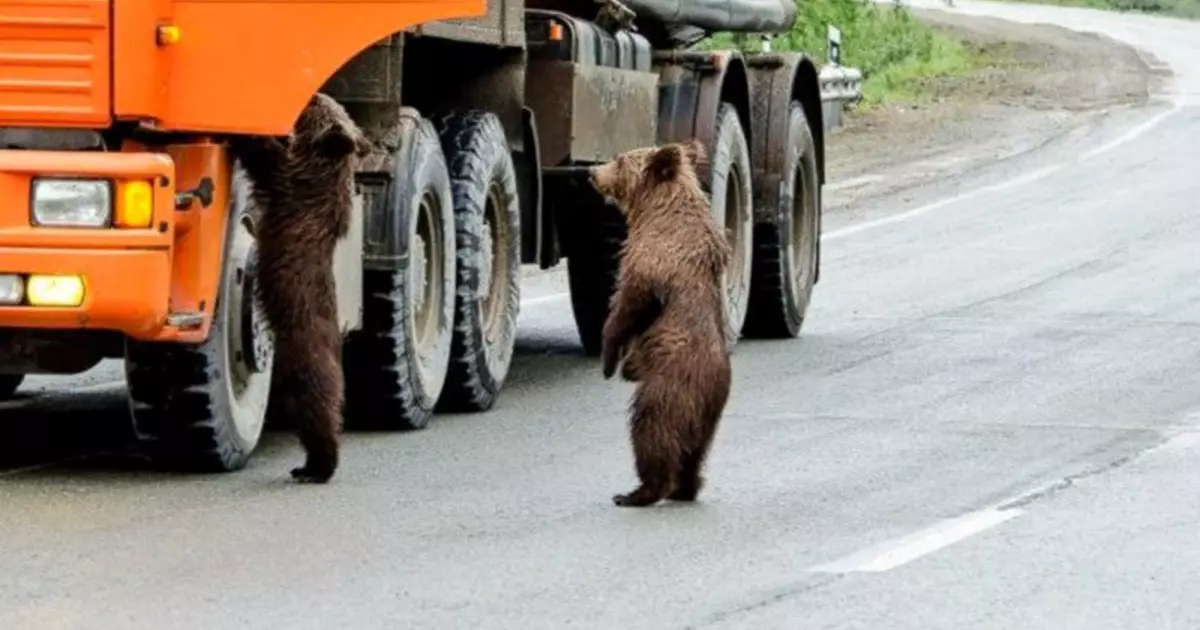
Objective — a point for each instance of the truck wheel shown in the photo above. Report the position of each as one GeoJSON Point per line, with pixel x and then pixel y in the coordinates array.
{"type": "Point", "coordinates": [785, 256]}
{"type": "Point", "coordinates": [592, 269]}
{"type": "Point", "coordinates": [732, 207]}
{"type": "Point", "coordinates": [488, 296]}
{"type": "Point", "coordinates": [9, 384]}
{"type": "Point", "coordinates": [396, 363]}
{"type": "Point", "coordinates": [202, 407]}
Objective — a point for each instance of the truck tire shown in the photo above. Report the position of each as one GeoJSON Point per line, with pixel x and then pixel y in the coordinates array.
{"type": "Point", "coordinates": [733, 207]}
{"type": "Point", "coordinates": [785, 254]}
{"type": "Point", "coordinates": [396, 363]}
{"type": "Point", "coordinates": [201, 408]}
{"type": "Point", "coordinates": [592, 265]}
{"type": "Point", "coordinates": [488, 294]}
{"type": "Point", "coordinates": [9, 384]}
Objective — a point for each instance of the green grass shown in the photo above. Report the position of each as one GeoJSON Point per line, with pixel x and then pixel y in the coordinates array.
{"type": "Point", "coordinates": [1173, 8]}
{"type": "Point", "coordinates": [897, 54]}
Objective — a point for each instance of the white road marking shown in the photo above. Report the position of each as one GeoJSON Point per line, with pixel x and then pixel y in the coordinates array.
{"type": "Point", "coordinates": [1186, 441]}
{"type": "Point", "coordinates": [895, 553]}
{"type": "Point", "coordinates": [1132, 134]}
{"type": "Point", "coordinates": [1177, 104]}
{"type": "Point", "coordinates": [900, 551]}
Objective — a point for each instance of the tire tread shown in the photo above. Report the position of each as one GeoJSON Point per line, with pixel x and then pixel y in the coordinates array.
{"type": "Point", "coordinates": [174, 401]}
{"type": "Point", "coordinates": [475, 145]}
{"type": "Point", "coordinates": [770, 314]}
{"type": "Point", "coordinates": [379, 383]}
{"type": "Point", "coordinates": [382, 389]}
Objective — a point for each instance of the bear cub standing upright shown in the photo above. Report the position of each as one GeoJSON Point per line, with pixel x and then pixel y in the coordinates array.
{"type": "Point", "coordinates": [303, 186]}
{"type": "Point", "coordinates": [667, 319]}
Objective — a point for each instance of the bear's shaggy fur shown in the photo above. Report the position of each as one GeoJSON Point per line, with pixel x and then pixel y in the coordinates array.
{"type": "Point", "coordinates": [667, 320]}
{"type": "Point", "coordinates": [303, 186]}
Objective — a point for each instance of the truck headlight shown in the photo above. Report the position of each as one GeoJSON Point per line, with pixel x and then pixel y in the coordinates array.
{"type": "Point", "coordinates": [71, 202]}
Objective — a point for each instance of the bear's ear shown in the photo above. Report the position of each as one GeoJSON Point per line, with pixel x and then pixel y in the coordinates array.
{"type": "Point", "coordinates": [338, 139]}
{"type": "Point", "coordinates": [664, 163]}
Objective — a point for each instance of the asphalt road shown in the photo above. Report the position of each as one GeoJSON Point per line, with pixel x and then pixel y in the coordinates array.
{"type": "Point", "coordinates": [990, 421]}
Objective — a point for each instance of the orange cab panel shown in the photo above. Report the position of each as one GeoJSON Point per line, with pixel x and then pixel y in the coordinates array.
{"type": "Point", "coordinates": [250, 67]}
{"type": "Point", "coordinates": [55, 66]}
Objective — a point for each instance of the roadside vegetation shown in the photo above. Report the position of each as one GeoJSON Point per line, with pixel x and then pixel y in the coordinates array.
{"type": "Point", "coordinates": [900, 57]}
{"type": "Point", "coordinates": [1172, 8]}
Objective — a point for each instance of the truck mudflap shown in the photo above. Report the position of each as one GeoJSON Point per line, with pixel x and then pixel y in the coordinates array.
{"type": "Point", "coordinates": [55, 63]}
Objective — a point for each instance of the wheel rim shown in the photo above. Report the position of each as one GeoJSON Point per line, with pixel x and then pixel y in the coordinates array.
{"type": "Point", "coordinates": [248, 361]}
{"type": "Point", "coordinates": [493, 273]}
{"type": "Point", "coordinates": [803, 233]}
{"type": "Point", "coordinates": [427, 273]}
{"type": "Point", "coordinates": [735, 226]}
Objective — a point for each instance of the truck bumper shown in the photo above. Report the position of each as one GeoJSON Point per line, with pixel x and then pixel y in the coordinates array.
{"type": "Point", "coordinates": [125, 291]}
{"type": "Point", "coordinates": [129, 274]}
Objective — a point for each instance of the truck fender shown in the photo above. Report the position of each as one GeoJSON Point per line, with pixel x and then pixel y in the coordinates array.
{"type": "Point", "coordinates": [777, 80]}
{"type": "Point", "coordinates": [692, 86]}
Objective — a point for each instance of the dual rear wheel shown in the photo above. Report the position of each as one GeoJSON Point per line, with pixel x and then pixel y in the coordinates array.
{"type": "Point", "coordinates": [438, 329]}
{"type": "Point", "coordinates": [439, 333]}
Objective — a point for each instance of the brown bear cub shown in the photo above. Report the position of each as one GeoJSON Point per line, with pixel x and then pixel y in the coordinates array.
{"type": "Point", "coordinates": [303, 186]}
{"type": "Point", "coordinates": [666, 322]}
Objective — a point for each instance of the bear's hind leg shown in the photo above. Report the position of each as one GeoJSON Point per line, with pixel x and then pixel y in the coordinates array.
{"type": "Point", "coordinates": [317, 409]}
{"type": "Point", "coordinates": [656, 452]}
{"type": "Point", "coordinates": [691, 465]}
{"type": "Point", "coordinates": [655, 473]}
{"type": "Point", "coordinates": [320, 448]}
{"type": "Point", "coordinates": [690, 479]}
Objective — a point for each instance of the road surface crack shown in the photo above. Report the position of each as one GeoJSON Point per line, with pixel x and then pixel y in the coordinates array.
{"type": "Point", "coordinates": [780, 596]}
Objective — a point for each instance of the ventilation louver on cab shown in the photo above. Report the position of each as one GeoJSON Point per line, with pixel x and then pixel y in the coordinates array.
{"type": "Point", "coordinates": [54, 63]}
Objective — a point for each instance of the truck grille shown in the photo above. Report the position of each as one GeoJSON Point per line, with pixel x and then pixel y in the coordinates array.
{"type": "Point", "coordinates": [54, 63]}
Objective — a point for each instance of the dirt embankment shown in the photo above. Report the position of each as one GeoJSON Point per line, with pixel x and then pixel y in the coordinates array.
{"type": "Point", "coordinates": [1038, 81]}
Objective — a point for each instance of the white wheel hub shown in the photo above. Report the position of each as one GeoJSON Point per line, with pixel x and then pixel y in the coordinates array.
{"type": "Point", "coordinates": [247, 363]}
{"type": "Point", "coordinates": [486, 247]}
{"type": "Point", "coordinates": [419, 271]}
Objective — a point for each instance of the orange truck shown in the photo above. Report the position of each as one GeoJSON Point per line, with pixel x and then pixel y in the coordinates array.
{"type": "Point", "coordinates": [126, 230]}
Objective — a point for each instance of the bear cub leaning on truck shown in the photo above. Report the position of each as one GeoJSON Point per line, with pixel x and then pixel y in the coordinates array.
{"type": "Point", "coordinates": [303, 186]}
{"type": "Point", "coordinates": [667, 320]}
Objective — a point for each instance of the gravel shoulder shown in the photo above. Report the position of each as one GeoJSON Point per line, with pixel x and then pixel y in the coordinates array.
{"type": "Point", "coordinates": [1039, 82]}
